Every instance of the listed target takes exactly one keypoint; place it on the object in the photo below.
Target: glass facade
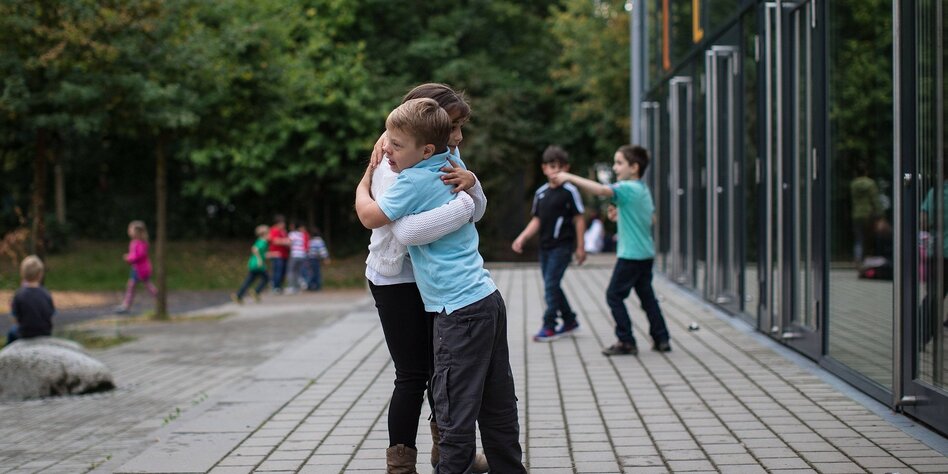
(930, 196)
(781, 192)
(860, 187)
(752, 241)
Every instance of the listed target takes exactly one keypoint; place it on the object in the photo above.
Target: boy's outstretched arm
(584, 184)
(369, 212)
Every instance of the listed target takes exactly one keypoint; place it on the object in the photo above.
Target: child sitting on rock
(32, 305)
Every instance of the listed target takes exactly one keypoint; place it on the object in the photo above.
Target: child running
(473, 381)
(636, 251)
(256, 267)
(137, 258)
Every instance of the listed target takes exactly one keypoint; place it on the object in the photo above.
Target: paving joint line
(328, 396)
(625, 387)
(312, 382)
(790, 384)
(592, 390)
(559, 392)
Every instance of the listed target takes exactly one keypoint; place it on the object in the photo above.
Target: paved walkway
(723, 401)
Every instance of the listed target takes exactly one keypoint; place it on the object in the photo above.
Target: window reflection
(860, 223)
(931, 194)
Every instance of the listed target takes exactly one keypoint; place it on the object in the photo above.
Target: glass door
(681, 182)
(925, 194)
(791, 303)
(722, 69)
(651, 140)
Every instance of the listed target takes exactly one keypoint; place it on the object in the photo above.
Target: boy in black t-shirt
(32, 305)
(558, 217)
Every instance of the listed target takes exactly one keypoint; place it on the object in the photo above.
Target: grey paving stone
(596, 467)
(719, 402)
(641, 461)
(784, 463)
(824, 456)
(837, 468)
(196, 452)
(742, 469)
(688, 466)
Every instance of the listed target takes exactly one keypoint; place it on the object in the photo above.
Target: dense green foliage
(267, 106)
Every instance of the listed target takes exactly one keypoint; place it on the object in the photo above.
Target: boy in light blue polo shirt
(636, 251)
(473, 381)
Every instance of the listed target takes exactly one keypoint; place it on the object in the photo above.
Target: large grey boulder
(48, 366)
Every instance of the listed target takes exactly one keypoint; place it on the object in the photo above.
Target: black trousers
(637, 275)
(408, 333)
(473, 383)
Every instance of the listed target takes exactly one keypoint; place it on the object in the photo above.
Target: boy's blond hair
(31, 269)
(262, 230)
(424, 120)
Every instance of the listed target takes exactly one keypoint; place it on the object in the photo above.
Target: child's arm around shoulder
(465, 180)
(429, 226)
(368, 210)
(583, 184)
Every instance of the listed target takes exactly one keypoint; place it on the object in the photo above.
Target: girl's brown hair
(449, 99)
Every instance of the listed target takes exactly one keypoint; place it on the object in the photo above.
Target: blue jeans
(314, 277)
(13, 334)
(637, 274)
(279, 272)
(553, 263)
(253, 275)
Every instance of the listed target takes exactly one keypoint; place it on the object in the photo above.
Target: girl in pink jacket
(137, 258)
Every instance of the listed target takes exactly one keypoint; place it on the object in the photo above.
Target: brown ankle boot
(480, 461)
(400, 459)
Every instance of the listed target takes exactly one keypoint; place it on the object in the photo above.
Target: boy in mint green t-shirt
(636, 250)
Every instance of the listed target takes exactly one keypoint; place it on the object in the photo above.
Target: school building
(798, 175)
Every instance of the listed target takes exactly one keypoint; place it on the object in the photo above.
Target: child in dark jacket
(32, 305)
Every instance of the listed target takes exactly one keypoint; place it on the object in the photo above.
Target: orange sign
(666, 36)
(696, 31)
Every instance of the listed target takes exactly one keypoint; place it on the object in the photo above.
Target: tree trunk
(38, 228)
(60, 184)
(161, 228)
(326, 230)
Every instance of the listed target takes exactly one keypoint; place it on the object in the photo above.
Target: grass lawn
(192, 265)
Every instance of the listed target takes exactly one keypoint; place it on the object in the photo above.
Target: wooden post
(38, 228)
(161, 228)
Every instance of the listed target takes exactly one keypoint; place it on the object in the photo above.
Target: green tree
(53, 88)
(499, 53)
(591, 77)
(164, 71)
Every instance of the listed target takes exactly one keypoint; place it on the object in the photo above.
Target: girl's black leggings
(408, 333)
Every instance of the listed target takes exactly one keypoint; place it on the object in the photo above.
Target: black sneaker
(662, 346)
(620, 348)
